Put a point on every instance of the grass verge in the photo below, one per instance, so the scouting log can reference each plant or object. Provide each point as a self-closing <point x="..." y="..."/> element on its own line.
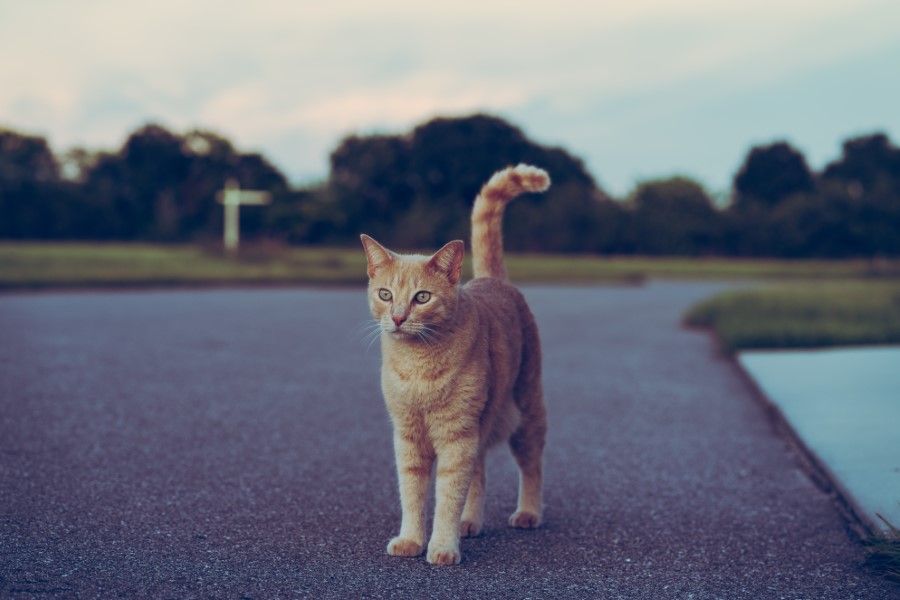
<point x="883" y="553"/>
<point x="804" y="315"/>
<point x="65" y="265"/>
<point x="34" y="265"/>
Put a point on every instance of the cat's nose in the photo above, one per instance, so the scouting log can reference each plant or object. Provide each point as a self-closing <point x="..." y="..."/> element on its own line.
<point x="398" y="320"/>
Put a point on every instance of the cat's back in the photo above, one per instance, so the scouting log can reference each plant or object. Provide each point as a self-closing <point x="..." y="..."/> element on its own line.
<point x="493" y="289"/>
<point x="500" y="301"/>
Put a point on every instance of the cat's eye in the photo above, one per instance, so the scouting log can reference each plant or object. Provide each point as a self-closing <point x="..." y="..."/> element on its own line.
<point x="385" y="294"/>
<point x="422" y="297"/>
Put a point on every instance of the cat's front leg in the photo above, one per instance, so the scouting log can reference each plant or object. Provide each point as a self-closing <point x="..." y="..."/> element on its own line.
<point x="455" y="465"/>
<point x="413" y="475"/>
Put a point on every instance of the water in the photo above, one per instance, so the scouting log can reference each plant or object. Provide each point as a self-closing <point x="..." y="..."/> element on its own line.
<point x="845" y="405"/>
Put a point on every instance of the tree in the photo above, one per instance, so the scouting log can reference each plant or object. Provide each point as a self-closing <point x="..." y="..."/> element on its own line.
<point x="867" y="161"/>
<point x="673" y="216"/>
<point x="162" y="186"/>
<point x="416" y="190"/>
<point x="29" y="186"/>
<point x="770" y="174"/>
<point x="855" y="209"/>
<point x="836" y="222"/>
<point x="370" y="184"/>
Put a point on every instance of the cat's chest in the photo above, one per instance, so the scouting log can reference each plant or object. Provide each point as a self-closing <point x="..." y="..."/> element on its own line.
<point x="405" y="382"/>
<point x="418" y="371"/>
<point x="408" y="380"/>
<point x="431" y="378"/>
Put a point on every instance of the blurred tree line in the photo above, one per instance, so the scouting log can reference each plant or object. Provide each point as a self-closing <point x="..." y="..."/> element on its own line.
<point x="157" y="186"/>
<point x="416" y="190"/>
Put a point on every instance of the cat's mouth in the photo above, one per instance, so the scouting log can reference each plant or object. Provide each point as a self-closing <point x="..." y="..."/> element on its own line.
<point x="399" y="332"/>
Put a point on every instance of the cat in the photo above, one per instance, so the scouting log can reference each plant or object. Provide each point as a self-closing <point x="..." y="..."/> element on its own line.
<point x="461" y="372"/>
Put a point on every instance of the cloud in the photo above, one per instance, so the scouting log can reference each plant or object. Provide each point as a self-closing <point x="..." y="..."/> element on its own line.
<point x="254" y="111"/>
<point x="293" y="77"/>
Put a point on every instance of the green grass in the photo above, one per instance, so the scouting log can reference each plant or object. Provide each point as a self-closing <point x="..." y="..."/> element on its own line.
<point x="804" y="315"/>
<point x="49" y="265"/>
<point x="79" y="265"/>
<point x="568" y="268"/>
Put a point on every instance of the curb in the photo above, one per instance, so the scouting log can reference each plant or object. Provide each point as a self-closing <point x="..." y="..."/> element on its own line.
<point x="815" y="468"/>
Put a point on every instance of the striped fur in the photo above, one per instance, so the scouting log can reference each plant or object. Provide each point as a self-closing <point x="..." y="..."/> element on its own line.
<point x="487" y="215"/>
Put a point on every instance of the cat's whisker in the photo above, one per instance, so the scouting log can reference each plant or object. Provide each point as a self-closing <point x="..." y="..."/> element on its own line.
<point x="371" y="332"/>
<point x="422" y="336"/>
<point x="430" y="332"/>
<point x="371" y="336"/>
<point x="366" y="328"/>
<point x="367" y="324"/>
<point x="427" y="330"/>
<point x="373" y="329"/>
<point x="377" y="336"/>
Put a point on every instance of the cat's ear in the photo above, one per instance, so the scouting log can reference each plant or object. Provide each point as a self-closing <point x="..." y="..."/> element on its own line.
<point x="448" y="260"/>
<point x="376" y="255"/>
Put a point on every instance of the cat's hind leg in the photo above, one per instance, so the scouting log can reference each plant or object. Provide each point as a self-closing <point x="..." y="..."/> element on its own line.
<point x="527" y="442"/>
<point x="473" y="512"/>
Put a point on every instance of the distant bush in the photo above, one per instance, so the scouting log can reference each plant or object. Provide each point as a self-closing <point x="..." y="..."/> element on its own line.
<point x="851" y="209"/>
<point x="674" y="216"/>
<point x="415" y="190"/>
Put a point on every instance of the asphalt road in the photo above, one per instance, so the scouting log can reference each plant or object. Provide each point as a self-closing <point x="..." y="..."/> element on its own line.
<point x="233" y="444"/>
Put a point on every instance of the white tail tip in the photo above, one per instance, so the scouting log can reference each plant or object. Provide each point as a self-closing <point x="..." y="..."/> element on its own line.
<point x="533" y="179"/>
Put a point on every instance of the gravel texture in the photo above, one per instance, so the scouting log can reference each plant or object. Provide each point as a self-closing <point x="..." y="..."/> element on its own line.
<point x="233" y="444"/>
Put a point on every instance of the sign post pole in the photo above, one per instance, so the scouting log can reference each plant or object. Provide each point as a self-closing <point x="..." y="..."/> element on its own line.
<point x="231" y="198"/>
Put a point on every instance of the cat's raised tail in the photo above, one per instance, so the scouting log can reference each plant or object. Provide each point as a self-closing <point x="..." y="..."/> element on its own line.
<point x="487" y="215"/>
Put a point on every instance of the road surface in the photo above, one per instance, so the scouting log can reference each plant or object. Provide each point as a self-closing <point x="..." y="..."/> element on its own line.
<point x="233" y="444"/>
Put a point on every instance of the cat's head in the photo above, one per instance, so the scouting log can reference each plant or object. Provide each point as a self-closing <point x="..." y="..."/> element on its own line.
<point x="410" y="295"/>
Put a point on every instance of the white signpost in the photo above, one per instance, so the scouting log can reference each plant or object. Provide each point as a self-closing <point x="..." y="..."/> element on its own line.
<point x="231" y="198"/>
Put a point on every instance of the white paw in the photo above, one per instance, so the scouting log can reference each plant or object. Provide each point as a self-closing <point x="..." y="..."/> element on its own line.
<point x="404" y="547"/>
<point x="522" y="519"/>
<point x="469" y="528"/>
<point x="439" y="554"/>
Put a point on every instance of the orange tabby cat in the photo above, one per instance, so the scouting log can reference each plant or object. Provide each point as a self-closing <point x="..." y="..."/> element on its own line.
<point x="461" y="372"/>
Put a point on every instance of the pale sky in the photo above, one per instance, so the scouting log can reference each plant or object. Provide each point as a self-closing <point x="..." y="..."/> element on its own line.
<point x="637" y="89"/>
